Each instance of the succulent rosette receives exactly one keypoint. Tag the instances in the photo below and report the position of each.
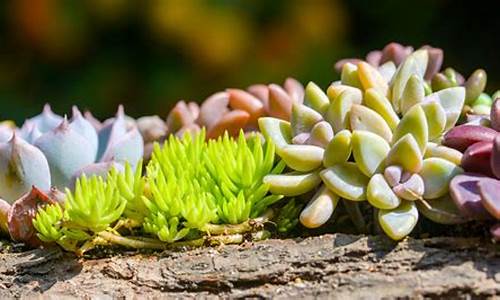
(374, 135)
(49, 151)
(477, 192)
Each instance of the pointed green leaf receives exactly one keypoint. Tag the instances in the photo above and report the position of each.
(315, 98)
(436, 118)
(349, 75)
(369, 150)
(339, 149)
(452, 101)
(399, 222)
(380, 194)
(415, 123)
(382, 106)
(413, 93)
(371, 78)
(303, 118)
(405, 153)
(276, 130)
(437, 174)
(363, 118)
(338, 111)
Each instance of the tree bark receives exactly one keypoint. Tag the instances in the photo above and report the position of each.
(337, 266)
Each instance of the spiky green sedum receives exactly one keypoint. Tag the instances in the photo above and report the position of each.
(195, 183)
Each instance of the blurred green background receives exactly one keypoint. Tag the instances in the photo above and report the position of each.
(150, 54)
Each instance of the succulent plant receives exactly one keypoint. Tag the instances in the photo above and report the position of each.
(476, 192)
(193, 190)
(66, 148)
(371, 137)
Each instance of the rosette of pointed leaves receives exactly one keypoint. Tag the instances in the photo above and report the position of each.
(194, 183)
(70, 148)
(373, 136)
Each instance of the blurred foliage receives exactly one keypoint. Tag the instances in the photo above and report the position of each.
(149, 54)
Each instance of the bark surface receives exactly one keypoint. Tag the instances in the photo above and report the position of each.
(334, 266)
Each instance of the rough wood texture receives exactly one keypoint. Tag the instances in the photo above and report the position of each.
(329, 266)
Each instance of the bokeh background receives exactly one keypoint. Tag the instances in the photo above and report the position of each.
(149, 54)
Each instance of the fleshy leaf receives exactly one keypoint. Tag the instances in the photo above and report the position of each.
(450, 154)
(303, 118)
(436, 118)
(339, 149)
(213, 108)
(437, 174)
(489, 190)
(399, 222)
(276, 130)
(239, 99)
(319, 209)
(21, 167)
(302, 158)
(411, 189)
(495, 157)
(452, 101)
(413, 93)
(316, 98)
(279, 103)
(442, 210)
(463, 136)
(405, 153)
(380, 194)
(338, 111)
(363, 118)
(349, 75)
(346, 180)
(369, 150)
(371, 78)
(232, 122)
(415, 123)
(292, 184)
(382, 106)
(79, 124)
(464, 191)
(321, 134)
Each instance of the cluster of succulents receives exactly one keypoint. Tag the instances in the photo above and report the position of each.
(194, 192)
(477, 192)
(375, 135)
(229, 111)
(381, 143)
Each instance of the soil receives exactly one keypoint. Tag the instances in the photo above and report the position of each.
(337, 266)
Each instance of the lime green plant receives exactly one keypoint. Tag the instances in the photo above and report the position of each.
(195, 192)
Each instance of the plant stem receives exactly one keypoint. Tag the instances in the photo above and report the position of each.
(354, 212)
(248, 225)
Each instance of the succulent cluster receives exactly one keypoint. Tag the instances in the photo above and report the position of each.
(51, 151)
(193, 190)
(228, 111)
(375, 135)
(476, 193)
(382, 141)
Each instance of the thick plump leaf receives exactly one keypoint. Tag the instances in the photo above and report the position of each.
(364, 118)
(279, 103)
(464, 191)
(450, 154)
(382, 106)
(393, 174)
(411, 189)
(303, 118)
(276, 130)
(349, 75)
(475, 85)
(321, 134)
(452, 101)
(477, 158)
(380, 194)
(415, 123)
(369, 150)
(495, 115)
(302, 158)
(334, 90)
(338, 111)
(346, 180)
(489, 189)
(339, 149)
(437, 174)
(414, 64)
(461, 137)
(316, 98)
(399, 222)
(319, 209)
(292, 184)
(406, 153)
(436, 118)
(371, 78)
(413, 93)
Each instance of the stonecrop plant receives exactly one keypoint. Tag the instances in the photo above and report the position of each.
(375, 135)
(194, 191)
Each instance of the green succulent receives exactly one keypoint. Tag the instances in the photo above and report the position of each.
(375, 135)
(194, 183)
